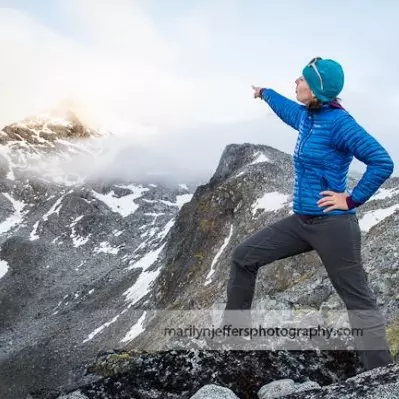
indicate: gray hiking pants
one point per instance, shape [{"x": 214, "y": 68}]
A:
[{"x": 337, "y": 240}]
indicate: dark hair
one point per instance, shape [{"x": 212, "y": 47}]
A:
[{"x": 316, "y": 104}]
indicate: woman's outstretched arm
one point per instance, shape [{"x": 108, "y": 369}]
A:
[{"x": 287, "y": 110}]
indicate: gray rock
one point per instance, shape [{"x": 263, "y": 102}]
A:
[
  {"x": 214, "y": 392},
  {"x": 307, "y": 386},
  {"x": 277, "y": 389},
  {"x": 381, "y": 383},
  {"x": 281, "y": 388},
  {"x": 73, "y": 395}
]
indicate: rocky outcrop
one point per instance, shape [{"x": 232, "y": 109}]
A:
[
  {"x": 230, "y": 375},
  {"x": 381, "y": 383},
  {"x": 180, "y": 374}
]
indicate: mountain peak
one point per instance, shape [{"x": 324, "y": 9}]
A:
[
  {"x": 41, "y": 144},
  {"x": 238, "y": 157},
  {"x": 43, "y": 128}
]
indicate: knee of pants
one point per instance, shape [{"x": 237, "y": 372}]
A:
[
  {"x": 363, "y": 302},
  {"x": 355, "y": 291},
  {"x": 239, "y": 255}
]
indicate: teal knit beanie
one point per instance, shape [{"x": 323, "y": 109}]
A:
[{"x": 325, "y": 78}]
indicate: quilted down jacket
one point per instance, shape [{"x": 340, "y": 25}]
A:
[{"x": 328, "y": 140}]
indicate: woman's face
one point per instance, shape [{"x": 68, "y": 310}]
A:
[{"x": 303, "y": 92}]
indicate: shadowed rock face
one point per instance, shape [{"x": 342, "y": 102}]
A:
[{"x": 179, "y": 374}]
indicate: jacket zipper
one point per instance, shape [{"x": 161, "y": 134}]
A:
[
  {"x": 303, "y": 167},
  {"x": 307, "y": 137}
]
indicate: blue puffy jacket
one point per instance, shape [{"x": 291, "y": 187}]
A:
[{"x": 327, "y": 141}]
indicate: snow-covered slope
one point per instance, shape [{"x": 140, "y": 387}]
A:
[{"x": 77, "y": 253}]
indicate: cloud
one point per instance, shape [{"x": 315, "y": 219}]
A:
[
  {"x": 139, "y": 73},
  {"x": 122, "y": 74}
]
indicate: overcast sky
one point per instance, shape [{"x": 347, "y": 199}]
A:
[{"x": 179, "y": 72}]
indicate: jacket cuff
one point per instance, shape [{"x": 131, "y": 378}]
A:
[{"x": 352, "y": 204}]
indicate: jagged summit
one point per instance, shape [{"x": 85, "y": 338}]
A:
[
  {"x": 45, "y": 129},
  {"x": 237, "y": 158},
  {"x": 42, "y": 145}
]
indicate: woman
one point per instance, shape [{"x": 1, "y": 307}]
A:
[{"x": 324, "y": 216}]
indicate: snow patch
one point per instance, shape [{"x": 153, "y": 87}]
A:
[
  {"x": 154, "y": 214},
  {"x": 76, "y": 238},
  {"x": 260, "y": 158},
  {"x": 136, "y": 330},
  {"x": 147, "y": 260},
  {"x": 106, "y": 248},
  {"x": 215, "y": 259},
  {"x": 142, "y": 286},
  {"x": 161, "y": 235},
  {"x": 270, "y": 202},
  {"x": 15, "y": 218},
  {"x": 33, "y": 236},
  {"x": 151, "y": 201},
  {"x": 383, "y": 193},
  {"x": 55, "y": 208},
  {"x": 101, "y": 328},
  {"x": 372, "y": 218},
  {"x": 123, "y": 205},
  {"x": 78, "y": 241},
  {"x": 3, "y": 268},
  {"x": 182, "y": 199}
]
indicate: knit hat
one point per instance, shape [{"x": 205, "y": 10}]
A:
[{"x": 325, "y": 78}]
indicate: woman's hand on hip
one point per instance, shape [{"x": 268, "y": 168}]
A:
[{"x": 333, "y": 200}]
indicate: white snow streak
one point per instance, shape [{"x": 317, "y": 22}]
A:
[
  {"x": 15, "y": 218},
  {"x": 54, "y": 209},
  {"x": 76, "y": 238},
  {"x": 136, "y": 330},
  {"x": 3, "y": 268},
  {"x": 142, "y": 286},
  {"x": 101, "y": 328},
  {"x": 215, "y": 259},
  {"x": 162, "y": 234},
  {"x": 33, "y": 236}
]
